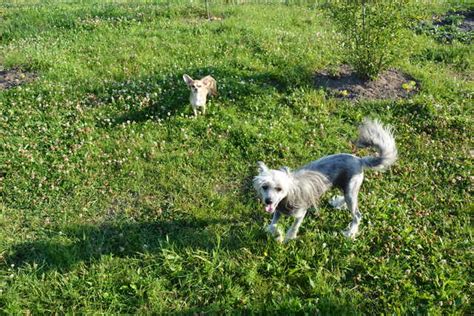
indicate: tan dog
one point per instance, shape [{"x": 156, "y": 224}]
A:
[{"x": 200, "y": 89}]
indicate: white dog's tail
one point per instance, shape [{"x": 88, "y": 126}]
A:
[{"x": 374, "y": 134}]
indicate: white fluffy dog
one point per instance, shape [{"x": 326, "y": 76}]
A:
[{"x": 292, "y": 193}]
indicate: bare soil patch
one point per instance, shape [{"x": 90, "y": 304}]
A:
[
  {"x": 391, "y": 84},
  {"x": 467, "y": 24},
  {"x": 10, "y": 78}
]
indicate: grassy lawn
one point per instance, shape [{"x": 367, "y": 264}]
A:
[{"x": 114, "y": 200}]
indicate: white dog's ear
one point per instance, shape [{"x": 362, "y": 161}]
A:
[
  {"x": 262, "y": 167},
  {"x": 211, "y": 84},
  {"x": 285, "y": 169},
  {"x": 189, "y": 81}
]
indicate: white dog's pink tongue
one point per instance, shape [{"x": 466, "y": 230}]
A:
[{"x": 269, "y": 208}]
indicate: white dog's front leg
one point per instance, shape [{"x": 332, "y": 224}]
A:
[
  {"x": 293, "y": 231},
  {"x": 273, "y": 229}
]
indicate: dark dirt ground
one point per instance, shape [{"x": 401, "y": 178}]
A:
[
  {"x": 467, "y": 25},
  {"x": 391, "y": 84},
  {"x": 10, "y": 78}
]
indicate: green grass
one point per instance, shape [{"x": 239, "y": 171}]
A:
[{"x": 115, "y": 201}]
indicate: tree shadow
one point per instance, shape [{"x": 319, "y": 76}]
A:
[
  {"x": 88, "y": 243},
  {"x": 327, "y": 305}
]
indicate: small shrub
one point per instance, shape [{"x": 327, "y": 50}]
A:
[{"x": 370, "y": 32}]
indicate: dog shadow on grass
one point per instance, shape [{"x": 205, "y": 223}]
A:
[
  {"x": 161, "y": 96},
  {"x": 85, "y": 243}
]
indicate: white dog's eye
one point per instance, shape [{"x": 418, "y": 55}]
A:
[
  {"x": 265, "y": 187},
  {"x": 278, "y": 189}
]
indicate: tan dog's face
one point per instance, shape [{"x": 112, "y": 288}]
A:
[{"x": 206, "y": 85}]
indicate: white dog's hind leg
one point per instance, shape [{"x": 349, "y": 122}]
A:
[
  {"x": 338, "y": 202},
  {"x": 353, "y": 228},
  {"x": 351, "y": 200},
  {"x": 274, "y": 229},
  {"x": 293, "y": 231}
]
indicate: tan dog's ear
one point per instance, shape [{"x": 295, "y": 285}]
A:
[
  {"x": 211, "y": 84},
  {"x": 189, "y": 81}
]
